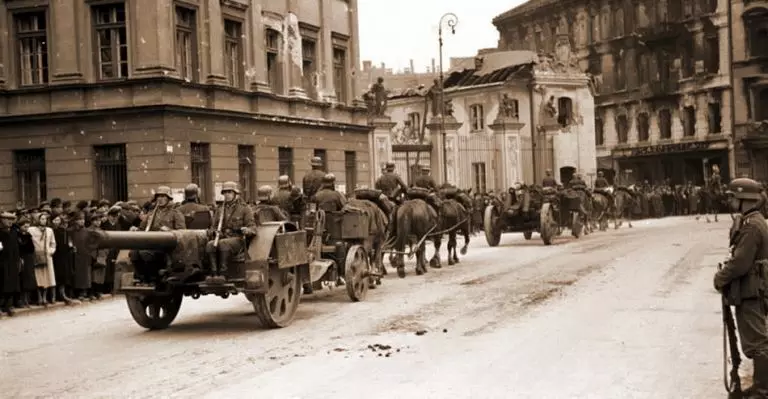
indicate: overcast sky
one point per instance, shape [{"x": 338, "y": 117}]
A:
[{"x": 395, "y": 31}]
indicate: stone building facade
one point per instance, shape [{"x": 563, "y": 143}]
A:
[
  {"x": 108, "y": 99},
  {"x": 662, "y": 76},
  {"x": 749, "y": 24},
  {"x": 502, "y": 129}
]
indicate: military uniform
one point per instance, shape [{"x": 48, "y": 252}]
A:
[
  {"x": 266, "y": 210},
  {"x": 548, "y": 180},
  {"x": 390, "y": 183},
  {"x": 196, "y": 215},
  {"x": 328, "y": 199},
  {"x": 162, "y": 218},
  {"x": 314, "y": 178},
  {"x": 426, "y": 182},
  {"x": 749, "y": 243},
  {"x": 601, "y": 183},
  {"x": 237, "y": 222}
]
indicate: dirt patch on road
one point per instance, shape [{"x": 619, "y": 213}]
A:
[{"x": 539, "y": 297}]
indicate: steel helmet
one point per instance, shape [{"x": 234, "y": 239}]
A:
[
  {"x": 192, "y": 190},
  {"x": 230, "y": 186},
  {"x": 264, "y": 193},
  {"x": 316, "y": 161},
  {"x": 283, "y": 181},
  {"x": 745, "y": 189},
  {"x": 390, "y": 166},
  {"x": 163, "y": 190},
  {"x": 329, "y": 178}
]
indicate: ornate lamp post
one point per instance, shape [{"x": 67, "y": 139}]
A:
[{"x": 450, "y": 20}]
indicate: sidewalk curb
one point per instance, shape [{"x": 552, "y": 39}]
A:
[{"x": 58, "y": 305}]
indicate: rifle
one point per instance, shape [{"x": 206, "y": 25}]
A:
[
  {"x": 218, "y": 227},
  {"x": 151, "y": 219},
  {"x": 730, "y": 341}
]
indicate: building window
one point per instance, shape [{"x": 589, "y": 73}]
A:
[
  {"x": 186, "y": 43},
  {"x": 619, "y": 77},
  {"x": 689, "y": 121},
  {"x": 340, "y": 74},
  {"x": 564, "y": 111},
  {"x": 233, "y": 52},
  {"x": 618, "y": 21},
  {"x": 350, "y": 170},
  {"x": 478, "y": 177},
  {"x": 200, "y": 163},
  {"x": 111, "y": 40},
  {"x": 476, "y": 118},
  {"x": 757, "y": 30},
  {"x": 712, "y": 54},
  {"x": 111, "y": 172},
  {"x": 31, "y": 34},
  {"x": 622, "y": 129},
  {"x": 714, "y": 113},
  {"x": 599, "y": 132},
  {"x": 665, "y": 124},
  {"x": 309, "y": 64},
  {"x": 285, "y": 162},
  {"x": 687, "y": 59},
  {"x": 29, "y": 170},
  {"x": 643, "y": 127},
  {"x": 322, "y": 154},
  {"x": 274, "y": 72},
  {"x": 246, "y": 171}
]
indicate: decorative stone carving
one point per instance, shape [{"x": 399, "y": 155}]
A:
[
  {"x": 434, "y": 95},
  {"x": 512, "y": 150},
  {"x": 448, "y": 108},
  {"x": 376, "y": 99}
]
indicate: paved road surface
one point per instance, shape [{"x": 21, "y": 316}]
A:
[{"x": 621, "y": 314}]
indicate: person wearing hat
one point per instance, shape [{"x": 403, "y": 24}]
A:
[
  {"x": 312, "y": 181},
  {"x": 548, "y": 180},
  {"x": 747, "y": 266},
  {"x": 81, "y": 266},
  {"x": 288, "y": 197},
  {"x": 328, "y": 199},
  {"x": 196, "y": 215},
  {"x": 164, "y": 217},
  {"x": 266, "y": 210},
  {"x": 601, "y": 187},
  {"x": 10, "y": 258},
  {"x": 425, "y": 180},
  {"x": 234, "y": 222},
  {"x": 390, "y": 183}
]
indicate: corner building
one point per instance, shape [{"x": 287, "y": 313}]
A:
[
  {"x": 661, "y": 71},
  {"x": 108, "y": 99}
]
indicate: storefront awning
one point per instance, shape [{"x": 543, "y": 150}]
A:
[
  {"x": 605, "y": 162},
  {"x": 670, "y": 149}
]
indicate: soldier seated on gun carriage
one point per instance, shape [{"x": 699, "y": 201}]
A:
[
  {"x": 289, "y": 198},
  {"x": 266, "y": 210},
  {"x": 234, "y": 224},
  {"x": 518, "y": 198},
  {"x": 196, "y": 215},
  {"x": 327, "y": 198}
]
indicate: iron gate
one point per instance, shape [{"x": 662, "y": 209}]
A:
[
  {"x": 478, "y": 163},
  {"x": 406, "y": 158}
]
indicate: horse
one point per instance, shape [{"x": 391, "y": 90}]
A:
[
  {"x": 378, "y": 229},
  {"x": 624, "y": 203},
  {"x": 415, "y": 220},
  {"x": 453, "y": 219},
  {"x": 711, "y": 200},
  {"x": 601, "y": 209}
]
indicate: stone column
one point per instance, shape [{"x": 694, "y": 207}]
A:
[
  {"x": 258, "y": 71},
  {"x": 445, "y": 148},
  {"x": 213, "y": 35},
  {"x": 508, "y": 162},
  {"x": 326, "y": 53},
  {"x": 153, "y": 52},
  {"x": 66, "y": 40},
  {"x": 381, "y": 139},
  {"x": 354, "y": 53}
]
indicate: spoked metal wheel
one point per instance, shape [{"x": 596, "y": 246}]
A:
[
  {"x": 154, "y": 312},
  {"x": 357, "y": 273},
  {"x": 547, "y": 229},
  {"x": 277, "y": 307}
]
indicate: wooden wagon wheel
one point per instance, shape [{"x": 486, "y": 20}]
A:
[
  {"x": 491, "y": 226},
  {"x": 547, "y": 229},
  {"x": 276, "y": 308},
  {"x": 357, "y": 273},
  {"x": 154, "y": 312}
]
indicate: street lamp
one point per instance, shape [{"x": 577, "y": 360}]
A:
[{"x": 450, "y": 20}]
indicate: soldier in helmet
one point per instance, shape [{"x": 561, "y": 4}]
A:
[
  {"x": 196, "y": 215},
  {"x": 233, "y": 223},
  {"x": 328, "y": 199},
  {"x": 164, "y": 217},
  {"x": 425, "y": 180},
  {"x": 266, "y": 210},
  {"x": 577, "y": 182},
  {"x": 747, "y": 266},
  {"x": 390, "y": 183},
  {"x": 548, "y": 180},
  {"x": 601, "y": 187},
  {"x": 314, "y": 178},
  {"x": 288, "y": 197}
]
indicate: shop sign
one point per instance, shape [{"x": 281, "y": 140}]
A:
[{"x": 670, "y": 148}]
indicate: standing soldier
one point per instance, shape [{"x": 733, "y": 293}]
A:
[
  {"x": 747, "y": 267},
  {"x": 425, "y": 180},
  {"x": 328, "y": 199},
  {"x": 266, "y": 210},
  {"x": 390, "y": 183},
  {"x": 548, "y": 180},
  {"x": 314, "y": 178},
  {"x": 196, "y": 215},
  {"x": 234, "y": 222}
]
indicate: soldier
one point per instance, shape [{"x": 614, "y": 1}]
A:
[
  {"x": 601, "y": 182},
  {"x": 196, "y": 215},
  {"x": 390, "y": 183},
  {"x": 314, "y": 178},
  {"x": 577, "y": 182},
  {"x": 548, "y": 180},
  {"x": 164, "y": 217},
  {"x": 328, "y": 199},
  {"x": 425, "y": 180},
  {"x": 746, "y": 265},
  {"x": 234, "y": 222},
  {"x": 266, "y": 210},
  {"x": 288, "y": 197}
]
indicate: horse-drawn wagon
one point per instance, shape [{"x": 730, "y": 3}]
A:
[{"x": 277, "y": 262}]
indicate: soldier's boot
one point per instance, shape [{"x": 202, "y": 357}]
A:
[
  {"x": 759, "y": 388},
  {"x": 223, "y": 265},
  {"x": 214, "y": 265}
]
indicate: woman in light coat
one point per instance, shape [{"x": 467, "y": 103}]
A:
[{"x": 45, "y": 246}]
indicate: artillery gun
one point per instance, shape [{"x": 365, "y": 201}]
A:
[{"x": 517, "y": 212}]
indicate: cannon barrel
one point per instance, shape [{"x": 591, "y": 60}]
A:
[{"x": 146, "y": 240}]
